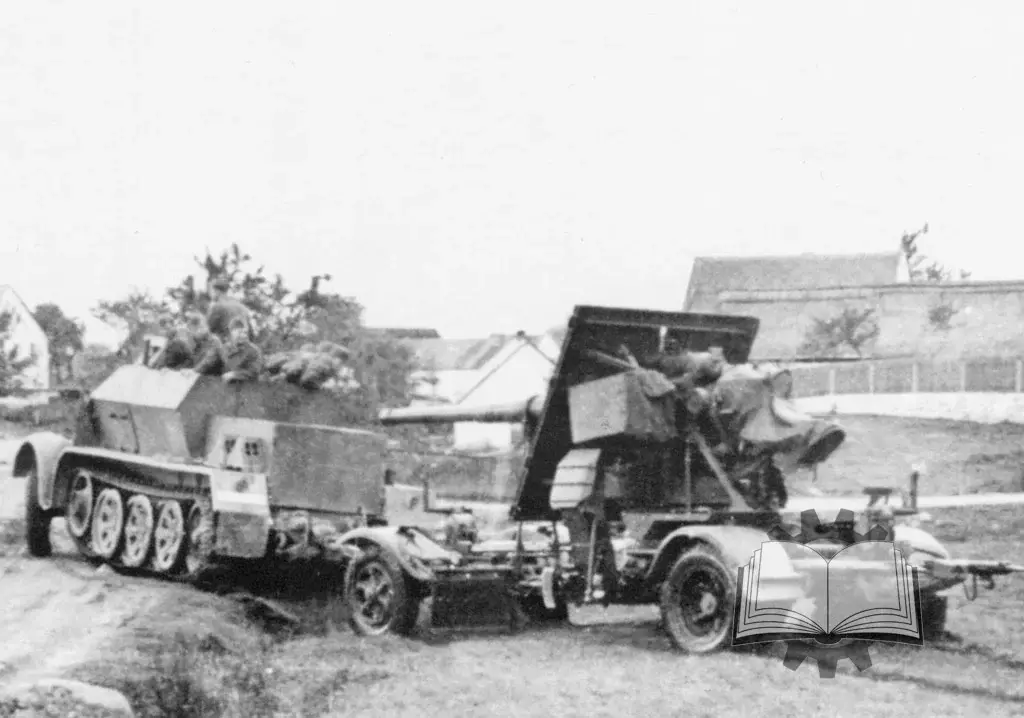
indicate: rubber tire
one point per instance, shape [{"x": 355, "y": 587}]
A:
[
  {"x": 671, "y": 611},
  {"x": 403, "y": 618},
  {"x": 934, "y": 610},
  {"x": 37, "y": 520}
]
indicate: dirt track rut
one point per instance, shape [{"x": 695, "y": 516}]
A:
[{"x": 59, "y": 612}]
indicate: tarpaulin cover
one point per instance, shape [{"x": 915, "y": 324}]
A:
[
  {"x": 753, "y": 406},
  {"x": 637, "y": 404}
]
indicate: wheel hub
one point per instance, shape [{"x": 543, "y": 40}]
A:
[
  {"x": 708, "y": 605},
  {"x": 374, "y": 593},
  {"x": 138, "y": 531},
  {"x": 169, "y": 535},
  {"x": 108, "y": 523},
  {"x": 702, "y": 602}
]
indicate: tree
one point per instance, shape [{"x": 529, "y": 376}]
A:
[
  {"x": 98, "y": 363},
  {"x": 140, "y": 314},
  {"x": 380, "y": 366},
  {"x": 942, "y": 312},
  {"x": 852, "y": 328},
  {"x": 64, "y": 336},
  {"x": 11, "y": 364},
  {"x": 918, "y": 265},
  {"x": 280, "y": 317}
]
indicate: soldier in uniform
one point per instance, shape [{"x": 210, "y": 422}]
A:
[
  {"x": 224, "y": 309},
  {"x": 238, "y": 359},
  {"x": 189, "y": 347}
]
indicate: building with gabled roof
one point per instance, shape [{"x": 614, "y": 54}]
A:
[
  {"x": 498, "y": 369},
  {"x": 407, "y": 332},
  {"x": 27, "y": 338},
  {"x": 712, "y": 276}
]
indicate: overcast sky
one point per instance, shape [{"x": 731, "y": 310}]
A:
[{"x": 481, "y": 167}]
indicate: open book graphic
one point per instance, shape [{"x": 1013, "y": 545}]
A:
[{"x": 866, "y": 591}]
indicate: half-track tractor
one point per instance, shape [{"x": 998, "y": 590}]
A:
[
  {"x": 654, "y": 470},
  {"x": 170, "y": 472}
]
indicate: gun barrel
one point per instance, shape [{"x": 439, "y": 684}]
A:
[{"x": 495, "y": 413}]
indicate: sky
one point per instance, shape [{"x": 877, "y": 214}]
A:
[{"x": 465, "y": 168}]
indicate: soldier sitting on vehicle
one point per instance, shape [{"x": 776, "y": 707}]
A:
[
  {"x": 188, "y": 347},
  {"x": 224, "y": 309},
  {"x": 238, "y": 359}
]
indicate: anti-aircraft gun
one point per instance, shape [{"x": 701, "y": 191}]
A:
[
  {"x": 170, "y": 473},
  {"x": 606, "y": 405},
  {"x": 666, "y": 404}
]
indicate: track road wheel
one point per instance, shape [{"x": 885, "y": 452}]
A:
[
  {"x": 168, "y": 538},
  {"x": 108, "y": 524},
  {"x": 378, "y": 597},
  {"x": 138, "y": 531},
  {"x": 37, "y": 520},
  {"x": 697, "y": 601},
  {"x": 199, "y": 528},
  {"x": 78, "y": 512}
]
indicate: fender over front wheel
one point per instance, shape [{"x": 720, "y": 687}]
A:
[{"x": 698, "y": 598}]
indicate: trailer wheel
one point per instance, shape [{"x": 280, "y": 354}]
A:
[
  {"x": 378, "y": 596},
  {"x": 37, "y": 520},
  {"x": 697, "y": 601}
]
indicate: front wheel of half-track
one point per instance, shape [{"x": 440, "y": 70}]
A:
[
  {"x": 37, "y": 519},
  {"x": 378, "y": 596},
  {"x": 697, "y": 601}
]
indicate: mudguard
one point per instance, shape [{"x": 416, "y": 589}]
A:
[
  {"x": 412, "y": 550},
  {"x": 737, "y": 545},
  {"x": 42, "y": 451}
]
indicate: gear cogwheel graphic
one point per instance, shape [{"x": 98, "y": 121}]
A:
[{"x": 842, "y": 531}]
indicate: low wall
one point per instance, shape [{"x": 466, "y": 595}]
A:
[{"x": 982, "y": 407}]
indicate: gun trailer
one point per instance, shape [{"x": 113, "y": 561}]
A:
[{"x": 653, "y": 472}]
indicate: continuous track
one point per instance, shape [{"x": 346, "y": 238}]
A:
[{"x": 135, "y": 521}]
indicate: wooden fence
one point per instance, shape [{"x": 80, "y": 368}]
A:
[{"x": 910, "y": 376}]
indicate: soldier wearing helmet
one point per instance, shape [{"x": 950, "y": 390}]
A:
[
  {"x": 190, "y": 347},
  {"x": 238, "y": 359},
  {"x": 224, "y": 309}
]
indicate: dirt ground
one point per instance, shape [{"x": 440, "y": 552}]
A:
[{"x": 169, "y": 646}]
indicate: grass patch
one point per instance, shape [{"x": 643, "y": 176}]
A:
[{"x": 192, "y": 655}]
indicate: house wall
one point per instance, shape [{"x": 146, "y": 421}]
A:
[
  {"x": 26, "y": 335},
  {"x": 987, "y": 318},
  {"x": 450, "y": 385},
  {"x": 525, "y": 374}
]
